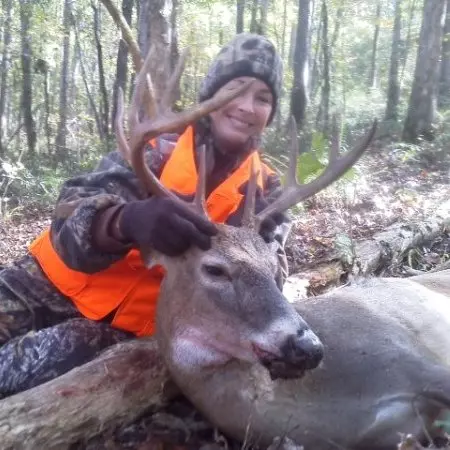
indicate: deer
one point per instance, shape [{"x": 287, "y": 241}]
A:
[{"x": 353, "y": 368}]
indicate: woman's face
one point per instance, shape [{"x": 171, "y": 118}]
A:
[{"x": 243, "y": 117}]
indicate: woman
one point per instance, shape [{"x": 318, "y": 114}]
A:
[{"x": 88, "y": 264}]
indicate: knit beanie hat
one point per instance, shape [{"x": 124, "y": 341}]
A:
[{"x": 249, "y": 55}]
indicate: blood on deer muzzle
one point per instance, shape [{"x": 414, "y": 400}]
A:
[{"x": 299, "y": 353}]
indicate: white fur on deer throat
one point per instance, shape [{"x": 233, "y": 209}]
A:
[{"x": 194, "y": 348}]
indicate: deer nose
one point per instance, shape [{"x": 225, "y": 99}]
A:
[
  {"x": 303, "y": 350},
  {"x": 298, "y": 353}
]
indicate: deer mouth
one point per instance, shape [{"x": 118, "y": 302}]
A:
[{"x": 277, "y": 367}]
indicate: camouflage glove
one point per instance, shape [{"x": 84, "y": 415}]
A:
[
  {"x": 164, "y": 225},
  {"x": 269, "y": 225}
]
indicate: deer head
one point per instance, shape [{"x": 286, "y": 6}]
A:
[{"x": 223, "y": 304}]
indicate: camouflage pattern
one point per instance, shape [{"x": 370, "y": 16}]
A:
[
  {"x": 245, "y": 55},
  {"x": 39, "y": 356},
  {"x": 28, "y": 301},
  {"x": 42, "y": 334}
]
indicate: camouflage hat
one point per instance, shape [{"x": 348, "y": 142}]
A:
[{"x": 245, "y": 55}]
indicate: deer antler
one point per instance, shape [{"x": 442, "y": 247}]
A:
[
  {"x": 162, "y": 120},
  {"x": 294, "y": 192}
]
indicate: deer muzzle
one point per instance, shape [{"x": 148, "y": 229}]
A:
[{"x": 299, "y": 353}]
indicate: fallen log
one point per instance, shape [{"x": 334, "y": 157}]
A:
[
  {"x": 389, "y": 246},
  {"x": 373, "y": 256},
  {"x": 112, "y": 390}
]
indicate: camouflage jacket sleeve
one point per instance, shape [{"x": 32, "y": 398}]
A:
[{"x": 111, "y": 183}]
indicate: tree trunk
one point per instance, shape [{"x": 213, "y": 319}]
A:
[
  {"x": 7, "y": 8},
  {"x": 60, "y": 141},
  {"x": 292, "y": 39},
  {"x": 122, "y": 62},
  {"x": 408, "y": 39},
  {"x": 283, "y": 32},
  {"x": 373, "y": 60},
  {"x": 27, "y": 92},
  {"x": 324, "y": 110},
  {"x": 41, "y": 66},
  {"x": 264, "y": 6},
  {"x": 240, "y": 8},
  {"x": 422, "y": 102},
  {"x": 254, "y": 17},
  {"x": 315, "y": 74},
  {"x": 277, "y": 119},
  {"x": 174, "y": 52},
  {"x": 104, "y": 104},
  {"x": 79, "y": 54},
  {"x": 299, "y": 97},
  {"x": 444, "y": 82},
  {"x": 337, "y": 27},
  {"x": 155, "y": 29},
  {"x": 393, "y": 93}
]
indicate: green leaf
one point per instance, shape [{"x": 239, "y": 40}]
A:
[
  {"x": 343, "y": 245},
  {"x": 308, "y": 166}
]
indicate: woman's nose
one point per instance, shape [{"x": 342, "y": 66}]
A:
[{"x": 246, "y": 103}]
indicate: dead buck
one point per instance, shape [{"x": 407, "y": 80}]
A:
[{"x": 244, "y": 356}]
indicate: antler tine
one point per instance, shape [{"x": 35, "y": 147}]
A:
[
  {"x": 174, "y": 80},
  {"x": 150, "y": 103},
  {"x": 199, "y": 200},
  {"x": 248, "y": 216},
  {"x": 151, "y": 183},
  {"x": 337, "y": 166}
]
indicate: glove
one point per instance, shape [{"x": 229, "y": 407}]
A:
[
  {"x": 268, "y": 225},
  {"x": 164, "y": 225}
]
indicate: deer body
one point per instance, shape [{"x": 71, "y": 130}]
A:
[{"x": 385, "y": 371}]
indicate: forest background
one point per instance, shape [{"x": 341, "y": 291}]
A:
[{"x": 62, "y": 62}]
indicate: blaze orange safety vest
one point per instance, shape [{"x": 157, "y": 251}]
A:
[{"x": 127, "y": 284}]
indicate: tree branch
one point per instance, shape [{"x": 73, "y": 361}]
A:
[{"x": 127, "y": 34}]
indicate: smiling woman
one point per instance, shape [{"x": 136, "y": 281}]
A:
[
  {"x": 237, "y": 126},
  {"x": 246, "y": 116}
]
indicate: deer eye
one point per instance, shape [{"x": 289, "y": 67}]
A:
[{"x": 215, "y": 271}]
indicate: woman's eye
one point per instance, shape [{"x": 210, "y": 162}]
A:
[
  {"x": 263, "y": 99},
  {"x": 214, "y": 271}
]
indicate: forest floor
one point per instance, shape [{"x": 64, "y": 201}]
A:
[{"x": 393, "y": 185}]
